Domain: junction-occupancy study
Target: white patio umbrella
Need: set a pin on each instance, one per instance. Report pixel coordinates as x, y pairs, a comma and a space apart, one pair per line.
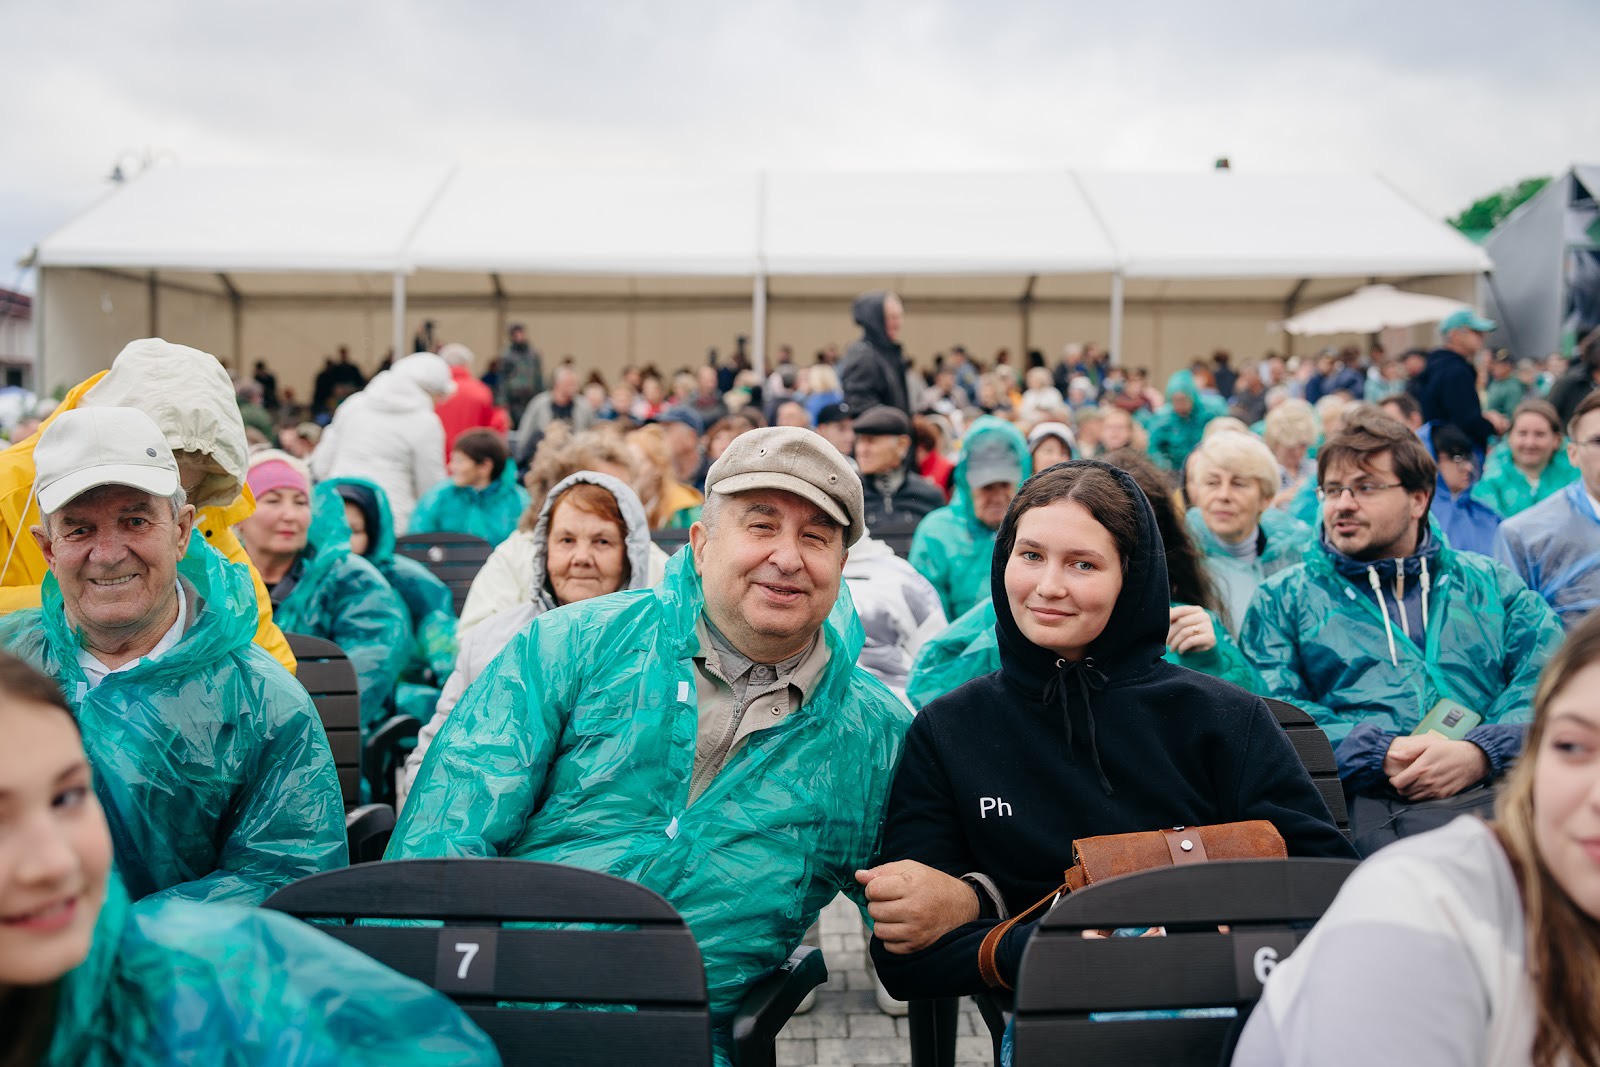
1370, 309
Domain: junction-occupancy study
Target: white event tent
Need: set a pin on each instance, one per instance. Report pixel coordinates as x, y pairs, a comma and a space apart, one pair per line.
616, 267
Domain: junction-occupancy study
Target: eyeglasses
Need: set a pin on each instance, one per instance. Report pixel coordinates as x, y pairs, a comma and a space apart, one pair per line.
1363, 491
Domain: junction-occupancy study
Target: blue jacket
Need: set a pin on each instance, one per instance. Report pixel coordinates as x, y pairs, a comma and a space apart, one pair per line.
1468, 523
1555, 547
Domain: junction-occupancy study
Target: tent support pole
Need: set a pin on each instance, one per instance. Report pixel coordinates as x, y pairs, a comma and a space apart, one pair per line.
758, 327
398, 340
499, 313
1290, 303
1116, 319
153, 305
1025, 313
236, 318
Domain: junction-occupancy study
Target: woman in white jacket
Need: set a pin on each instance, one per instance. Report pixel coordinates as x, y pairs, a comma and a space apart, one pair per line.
389, 434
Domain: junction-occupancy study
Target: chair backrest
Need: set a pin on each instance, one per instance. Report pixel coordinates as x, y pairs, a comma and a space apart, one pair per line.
652, 963
327, 674
1316, 752
669, 541
1267, 907
897, 535
454, 558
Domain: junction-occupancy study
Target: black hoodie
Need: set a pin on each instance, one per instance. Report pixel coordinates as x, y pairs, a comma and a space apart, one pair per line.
873, 370
1000, 776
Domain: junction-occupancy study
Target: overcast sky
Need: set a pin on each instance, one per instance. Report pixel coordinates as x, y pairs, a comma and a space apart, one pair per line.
1448, 100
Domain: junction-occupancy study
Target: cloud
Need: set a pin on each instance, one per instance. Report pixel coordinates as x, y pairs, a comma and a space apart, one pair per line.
1447, 107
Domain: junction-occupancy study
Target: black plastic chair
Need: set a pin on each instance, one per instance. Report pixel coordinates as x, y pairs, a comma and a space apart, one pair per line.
1316, 753
1267, 907
897, 535
653, 964
454, 558
326, 673
669, 541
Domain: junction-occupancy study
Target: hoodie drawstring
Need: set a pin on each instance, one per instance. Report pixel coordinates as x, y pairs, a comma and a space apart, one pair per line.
1388, 631
1088, 677
1426, 585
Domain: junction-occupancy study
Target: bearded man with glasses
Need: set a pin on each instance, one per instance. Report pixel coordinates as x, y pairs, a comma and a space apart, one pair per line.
1417, 660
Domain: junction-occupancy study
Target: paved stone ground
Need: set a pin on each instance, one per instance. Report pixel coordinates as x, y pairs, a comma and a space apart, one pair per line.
846, 1026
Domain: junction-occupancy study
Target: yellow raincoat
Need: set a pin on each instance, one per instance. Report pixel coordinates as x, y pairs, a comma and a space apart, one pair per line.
24, 570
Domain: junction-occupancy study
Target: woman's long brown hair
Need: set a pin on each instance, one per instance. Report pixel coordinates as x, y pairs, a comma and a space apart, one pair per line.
1563, 941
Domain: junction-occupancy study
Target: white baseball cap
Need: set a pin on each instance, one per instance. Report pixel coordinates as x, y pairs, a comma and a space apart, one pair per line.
85, 448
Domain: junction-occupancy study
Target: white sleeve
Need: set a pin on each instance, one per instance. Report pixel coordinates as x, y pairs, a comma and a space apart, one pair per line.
502, 583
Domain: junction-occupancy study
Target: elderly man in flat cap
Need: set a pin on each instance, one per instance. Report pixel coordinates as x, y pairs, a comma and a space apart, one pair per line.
712, 738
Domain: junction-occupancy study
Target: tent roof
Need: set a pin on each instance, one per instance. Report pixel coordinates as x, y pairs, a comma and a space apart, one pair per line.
266, 219
931, 223
580, 221
1226, 224
641, 224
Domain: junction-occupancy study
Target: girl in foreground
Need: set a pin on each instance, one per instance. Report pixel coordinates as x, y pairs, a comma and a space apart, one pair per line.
1472, 944
89, 980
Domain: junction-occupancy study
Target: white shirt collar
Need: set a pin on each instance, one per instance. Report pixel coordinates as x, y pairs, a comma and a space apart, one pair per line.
96, 672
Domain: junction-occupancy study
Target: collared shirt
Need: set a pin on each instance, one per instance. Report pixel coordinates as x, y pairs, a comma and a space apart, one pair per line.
95, 672
737, 697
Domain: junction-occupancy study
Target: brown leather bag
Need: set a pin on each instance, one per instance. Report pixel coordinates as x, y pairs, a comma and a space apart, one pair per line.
1099, 858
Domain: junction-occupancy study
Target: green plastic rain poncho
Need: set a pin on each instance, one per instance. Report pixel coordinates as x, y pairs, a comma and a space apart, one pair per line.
1323, 643
951, 548
577, 746
340, 597
1174, 436
968, 649
1281, 542
170, 982
209, 760
490, 513
429, 605
1507, 490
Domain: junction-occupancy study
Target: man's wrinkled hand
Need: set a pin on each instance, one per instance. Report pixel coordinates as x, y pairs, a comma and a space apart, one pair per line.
913, 905
1442, 769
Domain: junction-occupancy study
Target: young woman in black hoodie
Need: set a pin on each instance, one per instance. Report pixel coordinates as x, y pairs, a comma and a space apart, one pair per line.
1085, 730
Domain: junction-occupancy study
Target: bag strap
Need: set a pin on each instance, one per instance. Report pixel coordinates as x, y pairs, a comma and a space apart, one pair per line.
991, 940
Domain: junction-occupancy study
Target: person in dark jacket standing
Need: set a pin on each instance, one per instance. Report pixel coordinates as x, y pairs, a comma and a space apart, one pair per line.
1084, 730
1447, 388
521, 373
873, 370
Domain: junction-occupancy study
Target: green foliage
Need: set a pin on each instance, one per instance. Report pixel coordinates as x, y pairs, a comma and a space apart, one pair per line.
1487, 213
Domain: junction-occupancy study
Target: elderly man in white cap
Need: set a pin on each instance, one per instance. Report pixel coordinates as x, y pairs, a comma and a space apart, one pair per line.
209, 759
712, 738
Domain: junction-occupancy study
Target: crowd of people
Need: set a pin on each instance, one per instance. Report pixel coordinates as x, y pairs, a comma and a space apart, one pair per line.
757, 640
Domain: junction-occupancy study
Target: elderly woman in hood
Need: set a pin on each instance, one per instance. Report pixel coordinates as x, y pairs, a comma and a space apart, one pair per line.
508, 579
1084, 730
592, 538
189, 395
389, 434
